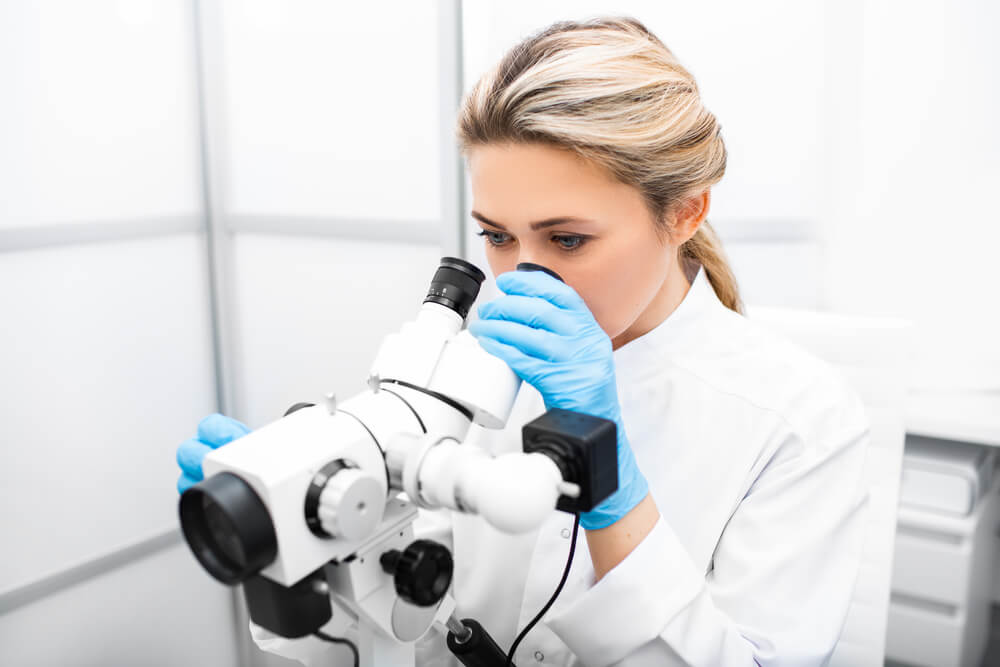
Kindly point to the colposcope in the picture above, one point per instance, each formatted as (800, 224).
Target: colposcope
(320, 504)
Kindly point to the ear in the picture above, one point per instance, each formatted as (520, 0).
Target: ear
(688, 215)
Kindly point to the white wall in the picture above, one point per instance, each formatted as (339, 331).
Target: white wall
(156, 611)
(330, 127)
(331, 110)
(105, 343)
(920, 228)
(97, 120)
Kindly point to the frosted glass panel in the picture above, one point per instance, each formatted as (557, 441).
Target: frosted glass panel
(332, 109)
(763, 80)
(313, 312)
(97, 115)
(161, 611)
(776, 273)
(106, 366)
(923, 241)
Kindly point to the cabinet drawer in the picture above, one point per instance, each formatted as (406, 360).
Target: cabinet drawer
(925, 635)
(932, 565)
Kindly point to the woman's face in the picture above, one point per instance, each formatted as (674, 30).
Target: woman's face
(540, 204)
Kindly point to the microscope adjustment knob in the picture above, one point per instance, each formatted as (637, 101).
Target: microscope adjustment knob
(421, 572)
(343, 501)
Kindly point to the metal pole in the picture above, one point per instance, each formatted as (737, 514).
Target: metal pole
(206, 23)
(452, 178)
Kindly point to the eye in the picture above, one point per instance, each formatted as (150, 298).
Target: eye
(569, 243)
(495, 239)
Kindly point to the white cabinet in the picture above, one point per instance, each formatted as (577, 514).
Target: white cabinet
(942, 582)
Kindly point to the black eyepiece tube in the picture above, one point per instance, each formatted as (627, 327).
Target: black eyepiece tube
(531, 266)
(455, 284)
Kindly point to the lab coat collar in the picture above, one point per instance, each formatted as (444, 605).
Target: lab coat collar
(685, 318)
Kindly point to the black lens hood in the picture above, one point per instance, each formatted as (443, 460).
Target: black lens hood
(245, 513)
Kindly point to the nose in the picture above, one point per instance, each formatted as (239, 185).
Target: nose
(525, 255)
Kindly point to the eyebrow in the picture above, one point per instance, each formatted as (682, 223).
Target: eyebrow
(541, 224)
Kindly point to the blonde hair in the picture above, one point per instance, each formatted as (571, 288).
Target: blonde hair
(612, 92)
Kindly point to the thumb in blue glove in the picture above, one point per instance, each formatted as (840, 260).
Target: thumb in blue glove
(214, 431)
(544, 331)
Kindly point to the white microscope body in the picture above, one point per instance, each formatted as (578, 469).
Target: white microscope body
(322, 501)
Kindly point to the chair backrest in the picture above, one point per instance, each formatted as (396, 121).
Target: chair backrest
(874, 354)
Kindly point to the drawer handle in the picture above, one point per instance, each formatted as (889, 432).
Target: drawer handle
(923, 604)
(928, 534)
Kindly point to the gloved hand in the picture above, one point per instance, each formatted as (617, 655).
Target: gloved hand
(544, 331)
(214, 431)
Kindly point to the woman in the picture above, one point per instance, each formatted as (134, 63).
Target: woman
(736, 533)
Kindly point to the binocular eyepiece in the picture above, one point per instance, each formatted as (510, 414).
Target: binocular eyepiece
(455, 284)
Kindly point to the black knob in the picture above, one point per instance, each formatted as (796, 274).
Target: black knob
(421, 572)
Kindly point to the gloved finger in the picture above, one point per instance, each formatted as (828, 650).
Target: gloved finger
(190, 455)
(538, 283)
(216, 430)
(184, 483)
(524, 366)
(537, 343)
(530, 311)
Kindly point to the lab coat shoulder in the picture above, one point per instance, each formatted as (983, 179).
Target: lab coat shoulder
(807, 396)
(805, 493)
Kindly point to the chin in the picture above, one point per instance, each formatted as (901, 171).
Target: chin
(612, 332)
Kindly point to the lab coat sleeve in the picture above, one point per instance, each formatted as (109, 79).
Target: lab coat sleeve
(781, 578)
(314, 652)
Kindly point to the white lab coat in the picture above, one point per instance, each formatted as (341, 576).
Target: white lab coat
(753, 450)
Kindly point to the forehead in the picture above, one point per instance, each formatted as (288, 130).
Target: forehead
(521, 182)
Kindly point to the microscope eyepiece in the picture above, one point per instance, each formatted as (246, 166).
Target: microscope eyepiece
(455, 284)
(531, 266)
(228, 528)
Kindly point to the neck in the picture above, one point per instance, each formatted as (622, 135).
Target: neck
(670, 295)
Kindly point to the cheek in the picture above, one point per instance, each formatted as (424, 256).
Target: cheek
(619, 293)
(613, 301)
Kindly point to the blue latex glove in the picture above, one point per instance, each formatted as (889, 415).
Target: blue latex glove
(214, 431)
(544, 331)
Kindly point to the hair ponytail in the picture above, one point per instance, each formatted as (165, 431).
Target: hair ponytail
(705, 248)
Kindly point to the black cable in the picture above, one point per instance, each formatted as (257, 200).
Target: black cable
(338, 640)
(538, 617)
